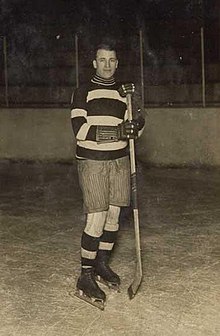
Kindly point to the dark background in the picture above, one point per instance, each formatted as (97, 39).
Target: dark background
(41, 47)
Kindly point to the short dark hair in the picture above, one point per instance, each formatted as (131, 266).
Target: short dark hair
(106, 45)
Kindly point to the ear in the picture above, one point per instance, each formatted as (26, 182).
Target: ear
(94, 64)
(116, 64)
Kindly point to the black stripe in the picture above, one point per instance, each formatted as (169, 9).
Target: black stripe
(101, 155)
(87, 262)
(106, 107)
(91, 135)
(109, 236)
(77, 122)
(89, 243)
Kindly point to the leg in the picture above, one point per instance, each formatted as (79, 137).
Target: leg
(119, 195)
(87, 287)
(106, 245)
(94, 185)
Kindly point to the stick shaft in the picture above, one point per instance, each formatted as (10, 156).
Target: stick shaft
(135, 206)
(137, 280)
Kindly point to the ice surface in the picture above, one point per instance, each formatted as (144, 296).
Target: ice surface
(41, 222)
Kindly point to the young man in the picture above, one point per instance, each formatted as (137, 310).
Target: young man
(101, 128)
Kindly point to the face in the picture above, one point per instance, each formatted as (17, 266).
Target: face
(105, 63)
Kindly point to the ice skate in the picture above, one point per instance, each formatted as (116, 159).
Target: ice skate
(88, 290)
(105, 274)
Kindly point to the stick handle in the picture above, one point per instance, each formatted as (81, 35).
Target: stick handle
(131, 141)
(132, 156)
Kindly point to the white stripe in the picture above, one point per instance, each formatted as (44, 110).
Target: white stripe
(78, 113)
(103, 84)
(83, 131)
(102, 146)
(106, 246)
(88, 254)
(86, 267)
(102, 93)
(100, 82)
(104, 120)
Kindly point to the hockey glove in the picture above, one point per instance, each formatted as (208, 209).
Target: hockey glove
(128, 130)
(125, 130)
(126, 89)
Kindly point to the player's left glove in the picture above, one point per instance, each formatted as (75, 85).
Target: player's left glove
(127, 130)
(125, 89)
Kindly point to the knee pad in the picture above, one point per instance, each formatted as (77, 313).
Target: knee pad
(112, 218)
(95, 223)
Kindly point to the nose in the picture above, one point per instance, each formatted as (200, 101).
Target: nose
(107, 64)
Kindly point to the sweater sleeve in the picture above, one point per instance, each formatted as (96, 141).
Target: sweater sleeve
(81, 128)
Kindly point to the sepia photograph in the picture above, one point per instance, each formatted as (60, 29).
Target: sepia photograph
(110, 168)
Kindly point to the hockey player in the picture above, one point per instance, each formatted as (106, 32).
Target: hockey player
(99, 122)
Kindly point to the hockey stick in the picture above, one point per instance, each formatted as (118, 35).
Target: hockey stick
(132, 290)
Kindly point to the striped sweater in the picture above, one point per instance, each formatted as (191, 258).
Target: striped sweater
(98, 103)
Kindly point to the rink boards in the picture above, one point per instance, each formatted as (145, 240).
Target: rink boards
(172, 136)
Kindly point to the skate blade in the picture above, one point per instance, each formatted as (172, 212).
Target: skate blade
(93, 301)
(110, 285)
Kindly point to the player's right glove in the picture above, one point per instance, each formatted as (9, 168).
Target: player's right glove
(125, 89)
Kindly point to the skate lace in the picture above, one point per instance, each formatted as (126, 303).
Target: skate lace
(91, 277)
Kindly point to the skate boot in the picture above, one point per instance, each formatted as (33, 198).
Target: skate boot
(104, 273)
(88, 290)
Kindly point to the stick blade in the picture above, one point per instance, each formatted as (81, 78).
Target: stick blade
(133, 288)
(131, 293)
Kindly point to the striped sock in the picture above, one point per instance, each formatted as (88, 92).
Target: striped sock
(107, 240)
(89, 248)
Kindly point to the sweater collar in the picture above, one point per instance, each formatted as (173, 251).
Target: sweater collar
(103, 81)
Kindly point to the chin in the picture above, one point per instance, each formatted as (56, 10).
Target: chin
(106, 76)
